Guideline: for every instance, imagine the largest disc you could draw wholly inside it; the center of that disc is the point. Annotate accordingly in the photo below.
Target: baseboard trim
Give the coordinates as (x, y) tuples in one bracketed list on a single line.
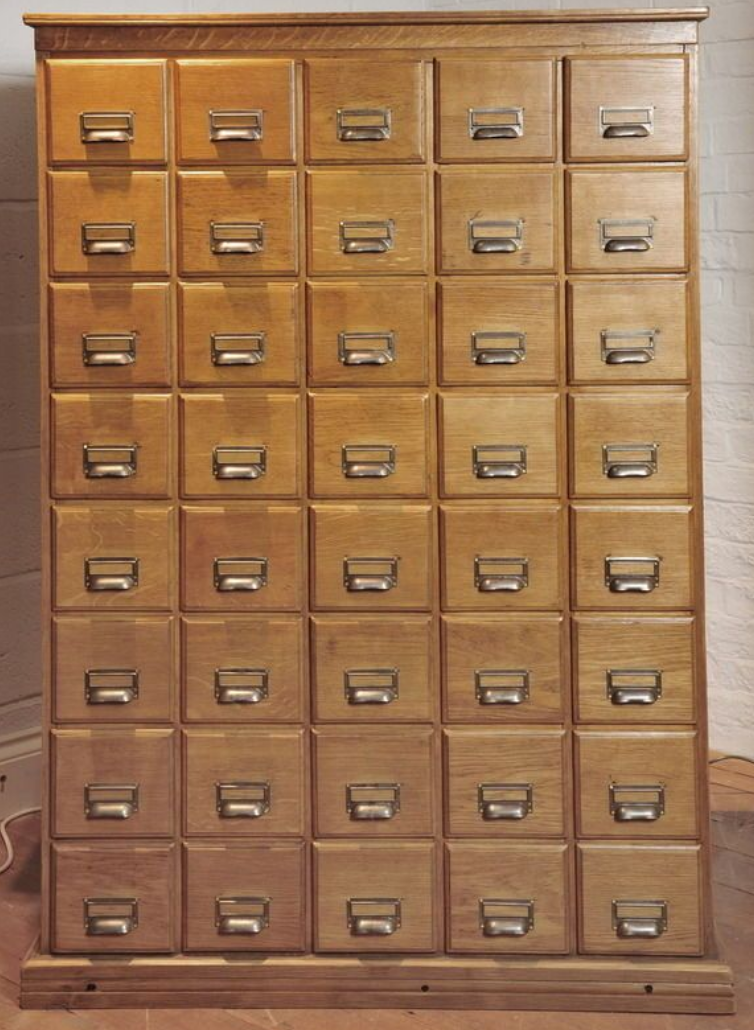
[(21, 771)]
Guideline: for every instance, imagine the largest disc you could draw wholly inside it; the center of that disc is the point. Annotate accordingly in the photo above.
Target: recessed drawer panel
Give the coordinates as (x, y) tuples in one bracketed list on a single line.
[(244, 782), (113, 783)]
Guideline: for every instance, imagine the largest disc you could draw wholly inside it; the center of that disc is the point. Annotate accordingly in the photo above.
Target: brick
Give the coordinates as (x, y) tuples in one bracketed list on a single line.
[(730, 522), (734, 211), (728, 403), (715, 442), (733, 135), (725, 483), (18, 264), (740, 172), (730, 365), (731, 59), (19, 389), (727, 250), (19, 541), (20, 643), (18, 165), (714, 174)]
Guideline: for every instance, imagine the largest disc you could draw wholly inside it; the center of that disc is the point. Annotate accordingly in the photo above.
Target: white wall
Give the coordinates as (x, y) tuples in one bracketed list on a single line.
[(728, 323)]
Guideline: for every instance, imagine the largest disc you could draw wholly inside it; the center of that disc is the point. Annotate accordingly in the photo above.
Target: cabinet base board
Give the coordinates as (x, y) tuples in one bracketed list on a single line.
[(242, 981)]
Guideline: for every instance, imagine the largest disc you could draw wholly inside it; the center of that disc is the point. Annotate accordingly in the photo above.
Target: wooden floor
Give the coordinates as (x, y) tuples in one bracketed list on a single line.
[(733, 833)]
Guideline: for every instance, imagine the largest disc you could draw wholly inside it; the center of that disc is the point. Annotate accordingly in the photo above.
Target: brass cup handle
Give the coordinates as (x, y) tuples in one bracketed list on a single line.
[(371, 695), (372, 811), (633, 686), (106, 126), (109, 926), (511, 810), (633, 244), (373, 917), (371, 686), (236, 126), (110, 810), (622, 236), (102, 575), (105, 350), (370, 575), (362, 583), (626, 122), (644, 928), (111, 800), (486, 123), (232, 575), (244, 925), (357, 349), (373, 802), (506, 926), (502, 686), (111, 686), (110, 917), (367, 237), (240, 809), (501, 584), (108, 238), (373, 926), (237, 348), (640, 919), (363, 124), (632, 580), (105, 461), (636, 812), (242, 916)]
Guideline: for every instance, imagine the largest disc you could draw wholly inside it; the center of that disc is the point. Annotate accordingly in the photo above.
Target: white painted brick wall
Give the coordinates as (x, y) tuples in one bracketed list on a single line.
[(728, 325)]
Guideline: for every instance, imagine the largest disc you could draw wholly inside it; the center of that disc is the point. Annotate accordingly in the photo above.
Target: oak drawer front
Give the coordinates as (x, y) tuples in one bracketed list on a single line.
[(237, 222), (108, 222), (111, 444), (113, 896), (113, 669), (368, 444), (245, 897), (372, 556), (502, 558), (500, 445), (376, 896), (627, 109), (362, 111), (505, 783), (244, 782), (108, 112), (110, 334), (373, 670), (637, 557), (496, 110), (499, 334), (242, 559), (366, 222), (508, 898), (634, 670), (630, 444), (115, 557), (374, 781), (504, 669), (234, 111), (631, 221), (113, 782), (628, 331), (640, 899), (242, 670), (239, 334), (367, 334), (501, 221), (637, 783), (240, 444)]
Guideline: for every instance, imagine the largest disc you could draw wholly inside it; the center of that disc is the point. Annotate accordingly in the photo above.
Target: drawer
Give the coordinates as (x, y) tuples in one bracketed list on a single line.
[(368, 222), (640, 899), (508, 898), (630, 444), (376, 896), (113, 669), (111, 444), (627, 221), (354, 342), (633, 556), (496, 110), (374, 781), (505, 783), (240, 444), (498, 334), (245, 897), (242, 559), (373, 670), (237, 222), (504, 669), (627, 108), (372, 556), (236, 334), (628, 332), (114, 557), (113, 896), (501, 221), (110, 334), (500, 445), (108, 222), (234, 111), (507, 557), (243, 669), (106, 112), (634, 670), (363, 111), (368, 444), (112, 782), (244, 782)]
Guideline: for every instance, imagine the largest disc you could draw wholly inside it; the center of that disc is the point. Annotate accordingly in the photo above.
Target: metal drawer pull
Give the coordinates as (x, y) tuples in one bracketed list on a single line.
[(501, 686), (485, 352), (111, 686), (622, 236), (243, 916), (242, 800), (630, 803), (630, 460), (619, 346), (102, 238), (353, 348), (501, 575), (236, 126), (104, 574), (232, 574), (367, 237), (626, 122), (633, 686), (108, 349), (496, 122), (110, 461), (111, 800), (236, 237), (364, 124), (498, 461), (368, 460), (107, 126), (503, 917), (239, 462), (238, 348), (373, 802), (505, 800), (371, 686), (632, 575), (373, 917), (643, 919), (503, 237), (110, 917), (242, 686), (364, 575)]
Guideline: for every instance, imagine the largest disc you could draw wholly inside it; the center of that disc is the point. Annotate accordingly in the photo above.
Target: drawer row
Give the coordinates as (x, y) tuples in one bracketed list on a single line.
[(374, 781)]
